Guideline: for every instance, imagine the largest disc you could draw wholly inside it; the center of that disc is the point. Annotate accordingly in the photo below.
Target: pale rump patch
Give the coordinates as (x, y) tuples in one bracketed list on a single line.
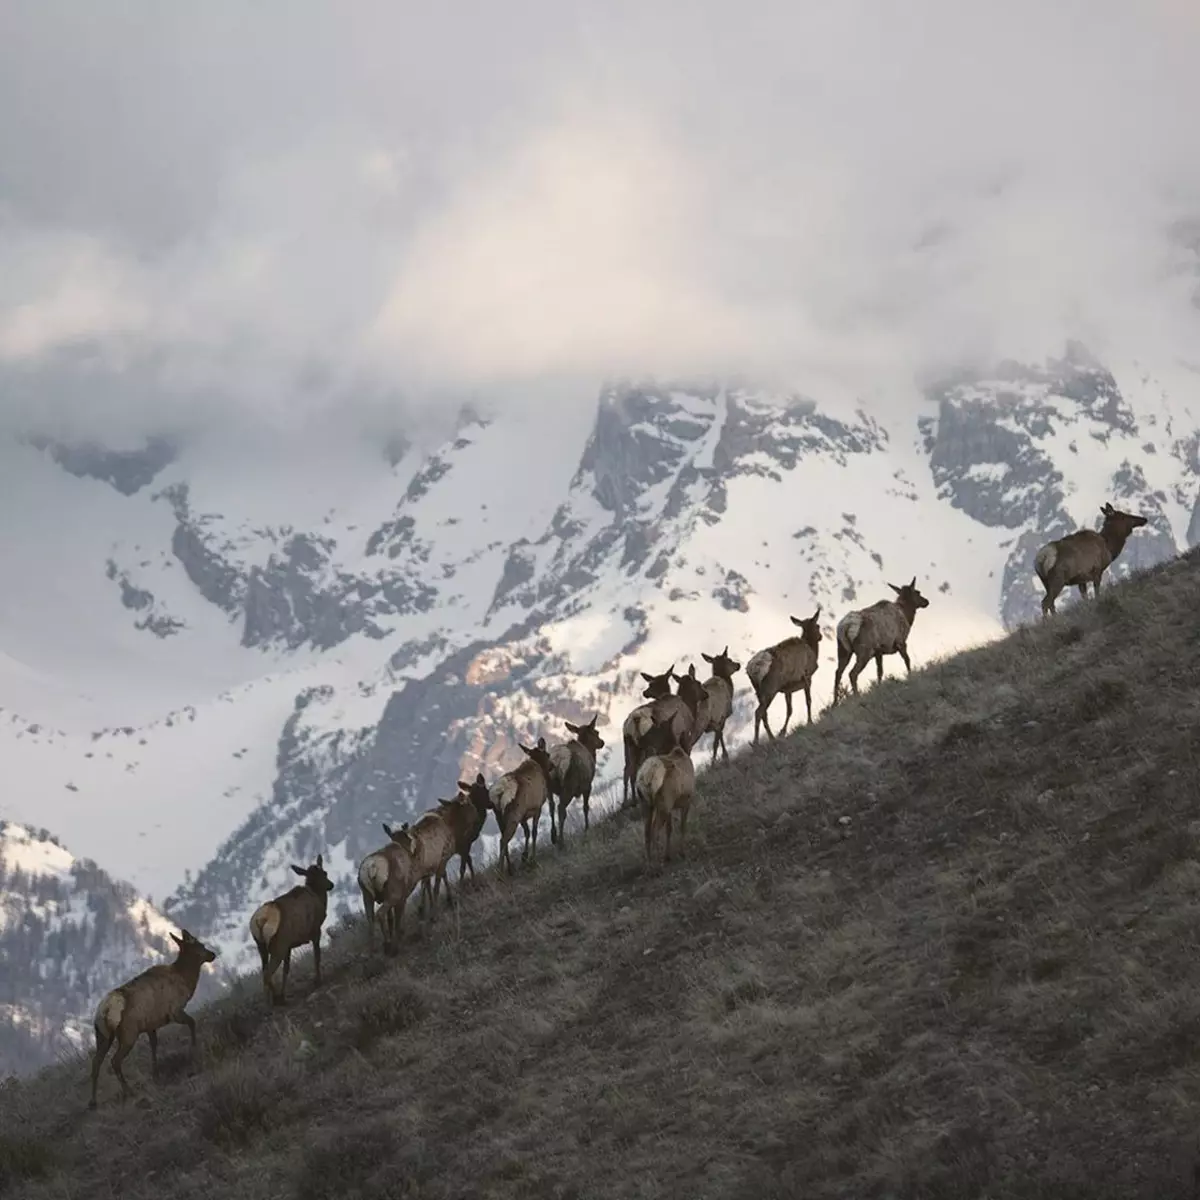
[(373, 874), (758, 666), (504, 791), (650, 777), (264, 925), (1047, 556), (110, 1012), (848, 630)]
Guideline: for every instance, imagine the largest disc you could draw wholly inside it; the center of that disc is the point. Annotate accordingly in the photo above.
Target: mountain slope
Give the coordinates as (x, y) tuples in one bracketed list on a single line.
[(939, 945), (261, 650), (68, 933)]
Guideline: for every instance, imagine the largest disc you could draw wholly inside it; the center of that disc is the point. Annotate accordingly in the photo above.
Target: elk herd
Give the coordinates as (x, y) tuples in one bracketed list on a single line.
[(659, 779)]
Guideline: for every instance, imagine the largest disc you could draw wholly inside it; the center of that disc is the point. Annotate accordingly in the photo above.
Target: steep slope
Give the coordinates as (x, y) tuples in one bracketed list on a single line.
[(939, 945), (68, 933), (261, 650)]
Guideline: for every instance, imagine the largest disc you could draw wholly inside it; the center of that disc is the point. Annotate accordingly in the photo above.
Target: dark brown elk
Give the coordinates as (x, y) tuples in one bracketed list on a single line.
[(717, 706), (395, 863), (573, 770), (155, 998), (786, 667), (658, 687), (870, 633), (291, 920), (468, 832), (517, 798), (1082, 557), (665, 784), (679, 713)]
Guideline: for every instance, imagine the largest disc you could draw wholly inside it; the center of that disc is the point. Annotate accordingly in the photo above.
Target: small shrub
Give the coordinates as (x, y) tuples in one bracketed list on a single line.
[(382, 1013), (236, 1105), (23, 1158)]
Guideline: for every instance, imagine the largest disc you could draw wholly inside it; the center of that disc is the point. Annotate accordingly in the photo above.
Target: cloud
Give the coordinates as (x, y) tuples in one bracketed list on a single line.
[(265, 211)]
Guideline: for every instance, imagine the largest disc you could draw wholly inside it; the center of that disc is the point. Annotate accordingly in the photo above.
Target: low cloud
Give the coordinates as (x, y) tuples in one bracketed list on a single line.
[(267, 214)]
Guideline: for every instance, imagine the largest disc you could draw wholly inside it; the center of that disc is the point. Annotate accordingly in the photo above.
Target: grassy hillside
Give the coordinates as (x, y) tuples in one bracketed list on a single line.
[(942, 945)]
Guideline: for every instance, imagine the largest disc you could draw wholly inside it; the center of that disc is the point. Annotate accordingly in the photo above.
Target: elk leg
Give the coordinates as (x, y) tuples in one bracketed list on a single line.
[(587, 799), (855, 672), (123, 1048), (316, 945), (369, 909), (287, 970), (808, 698), (787, 716), (184, 1018), (879, 667), (553, 828), (903, 652), (103, 1042), (152, 1038), (667, 854)]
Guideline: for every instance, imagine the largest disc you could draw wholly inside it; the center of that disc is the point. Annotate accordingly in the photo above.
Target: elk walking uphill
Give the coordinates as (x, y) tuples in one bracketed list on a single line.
[(573, 771), (870, 633), (422, 852), (393, 864), (517, 798), (717, 706), (1082, 557), (467, 832), (787, 667), (677, 714), (291, 920), (665, 784), (658, 688), (155, 998)]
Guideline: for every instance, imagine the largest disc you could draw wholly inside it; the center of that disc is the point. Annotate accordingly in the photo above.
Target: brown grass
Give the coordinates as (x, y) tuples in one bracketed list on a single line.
[(942, 945)]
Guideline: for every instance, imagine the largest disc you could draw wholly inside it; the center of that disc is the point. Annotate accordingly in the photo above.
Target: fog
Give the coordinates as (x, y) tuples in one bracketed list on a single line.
[(286, 211)]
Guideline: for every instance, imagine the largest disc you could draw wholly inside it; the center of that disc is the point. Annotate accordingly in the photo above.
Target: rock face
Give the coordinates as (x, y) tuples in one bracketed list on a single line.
[(468, 601), (126, 470)]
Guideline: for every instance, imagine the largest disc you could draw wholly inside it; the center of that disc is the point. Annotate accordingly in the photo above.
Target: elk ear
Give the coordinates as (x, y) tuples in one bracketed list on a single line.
[(480, 779), (299, 870), (817, 614), (894, 588), (320, 863), (571, 728), (177, 941), (463, 787), (648, 678), (914, 582), (692, 671), (523, 748), (595, 718), (707, 657), (795, 620), (541, 743)]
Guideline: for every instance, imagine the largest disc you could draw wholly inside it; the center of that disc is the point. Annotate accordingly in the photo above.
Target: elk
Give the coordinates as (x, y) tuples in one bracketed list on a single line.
[(288, 921), (786, 667), (666, 781), (468, 832), (872, 632), (678, 712), (156, 997), (430, 844), (1082, 557), (393, 862), (573, 769), (717, 706), (517, 796), (658, 687)]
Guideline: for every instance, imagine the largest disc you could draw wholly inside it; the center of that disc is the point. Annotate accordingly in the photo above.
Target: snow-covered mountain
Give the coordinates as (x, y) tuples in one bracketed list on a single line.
[(68, 933), (219, 657)]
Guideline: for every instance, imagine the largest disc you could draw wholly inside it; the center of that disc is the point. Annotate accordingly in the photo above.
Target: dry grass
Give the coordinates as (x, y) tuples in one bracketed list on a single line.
[(941, 945)]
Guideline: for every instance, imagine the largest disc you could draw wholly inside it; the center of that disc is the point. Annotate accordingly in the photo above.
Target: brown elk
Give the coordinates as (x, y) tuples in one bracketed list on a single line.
[(1082, 557), (872, 632), (787, 667), (658, 688), (156, 997), (288, 921), (717, 706), (467, 833), (665, 784), (517, 798), (679, 713), (391, 863), (573, 770)]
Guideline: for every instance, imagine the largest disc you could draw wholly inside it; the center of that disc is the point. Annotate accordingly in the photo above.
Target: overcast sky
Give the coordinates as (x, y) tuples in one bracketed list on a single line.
[(280, 206)]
